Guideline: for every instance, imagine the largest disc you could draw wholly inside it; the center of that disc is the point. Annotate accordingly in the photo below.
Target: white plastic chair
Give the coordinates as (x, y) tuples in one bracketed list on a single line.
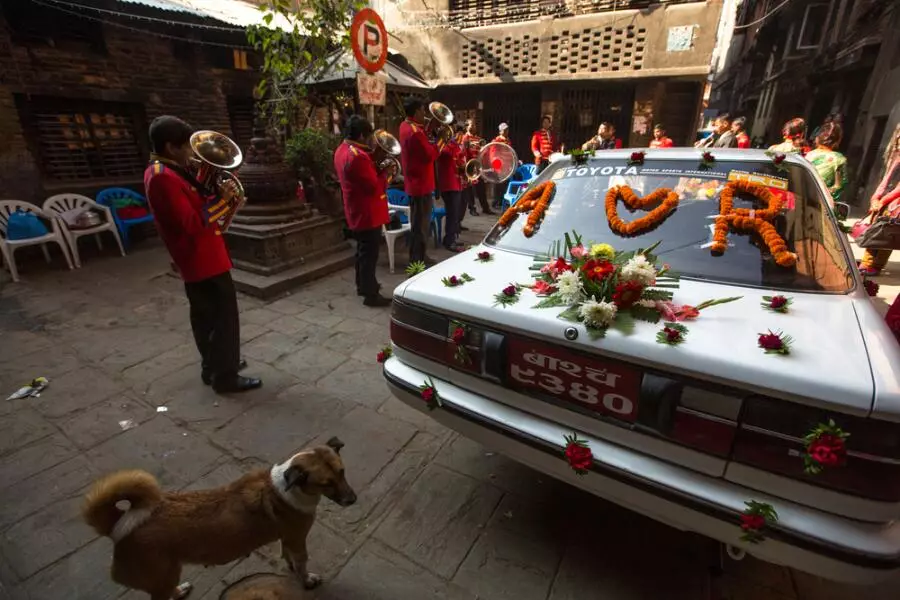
[(391, 235), (62, 203), (8, 247)]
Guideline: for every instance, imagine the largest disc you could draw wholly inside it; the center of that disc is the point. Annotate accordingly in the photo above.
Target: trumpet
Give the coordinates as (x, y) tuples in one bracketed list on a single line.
[(473, 170), (216, 155), (438, 124), (385, 153)]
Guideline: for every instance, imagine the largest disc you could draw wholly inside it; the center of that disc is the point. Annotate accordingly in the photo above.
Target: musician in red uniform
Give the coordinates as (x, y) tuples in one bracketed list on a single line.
[(187, 216), (500, 188), (450, 183), (472, 142), (418, 155), (543, 143), (365, 204)]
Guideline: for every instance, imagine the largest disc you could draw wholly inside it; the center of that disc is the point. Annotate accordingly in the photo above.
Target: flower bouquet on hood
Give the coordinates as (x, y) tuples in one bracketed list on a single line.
[(601, 287)]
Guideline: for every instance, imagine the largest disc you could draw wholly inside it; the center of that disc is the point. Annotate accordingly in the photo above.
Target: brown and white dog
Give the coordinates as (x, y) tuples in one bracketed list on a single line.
[(159, 531)]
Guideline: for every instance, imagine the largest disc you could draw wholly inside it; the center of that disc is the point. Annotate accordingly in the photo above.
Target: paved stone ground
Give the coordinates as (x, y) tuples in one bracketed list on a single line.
[(438, 516)]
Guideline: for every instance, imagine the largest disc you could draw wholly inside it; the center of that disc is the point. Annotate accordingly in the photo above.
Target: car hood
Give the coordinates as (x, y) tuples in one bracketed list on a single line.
[(828, 365)]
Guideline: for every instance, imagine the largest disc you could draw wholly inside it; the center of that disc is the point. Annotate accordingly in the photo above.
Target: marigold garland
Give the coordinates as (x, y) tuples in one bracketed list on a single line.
[(668, 198), (535, 201), (747, 219)]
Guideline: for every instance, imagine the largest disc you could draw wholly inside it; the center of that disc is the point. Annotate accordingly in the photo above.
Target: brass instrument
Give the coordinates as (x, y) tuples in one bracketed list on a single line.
[(496, 163), (438, 124), (387, 149), (216, 155)]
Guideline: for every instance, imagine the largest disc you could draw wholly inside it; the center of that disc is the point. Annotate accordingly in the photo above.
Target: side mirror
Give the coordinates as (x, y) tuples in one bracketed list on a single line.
[(841, 210)]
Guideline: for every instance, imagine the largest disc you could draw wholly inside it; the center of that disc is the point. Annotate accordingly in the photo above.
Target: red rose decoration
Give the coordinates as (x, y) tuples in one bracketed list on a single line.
[(871, 287), (578, 454), (829, 450), (752, 522), (380, 357), (779, 158), (385, 354), (777, 302), (626, 294), (708, 157), (672, 335), (597, 270), (770, 341), (459, 334), (542, 288), (637, 158), (454, 280), (509, 290)]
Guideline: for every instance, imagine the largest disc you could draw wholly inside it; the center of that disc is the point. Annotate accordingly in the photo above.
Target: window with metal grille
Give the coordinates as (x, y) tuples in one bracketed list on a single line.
[(78, 140)]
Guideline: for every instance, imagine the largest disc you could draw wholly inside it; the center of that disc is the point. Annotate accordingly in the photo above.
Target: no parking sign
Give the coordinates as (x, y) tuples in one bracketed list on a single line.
[(368, 38)]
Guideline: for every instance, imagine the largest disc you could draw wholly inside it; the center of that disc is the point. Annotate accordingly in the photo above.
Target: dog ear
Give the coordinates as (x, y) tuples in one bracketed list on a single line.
[(335, 444), (294, 475)]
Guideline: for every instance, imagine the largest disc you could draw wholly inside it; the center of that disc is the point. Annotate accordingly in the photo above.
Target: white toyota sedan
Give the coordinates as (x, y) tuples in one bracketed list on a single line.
[(683, 334)]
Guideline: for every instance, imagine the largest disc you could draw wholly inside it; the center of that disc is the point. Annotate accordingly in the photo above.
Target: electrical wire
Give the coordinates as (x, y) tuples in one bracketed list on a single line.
[(45, 4), (762, 18)]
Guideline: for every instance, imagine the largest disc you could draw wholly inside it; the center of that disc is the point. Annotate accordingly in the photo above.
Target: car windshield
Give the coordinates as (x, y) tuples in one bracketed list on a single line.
[(686, 234)]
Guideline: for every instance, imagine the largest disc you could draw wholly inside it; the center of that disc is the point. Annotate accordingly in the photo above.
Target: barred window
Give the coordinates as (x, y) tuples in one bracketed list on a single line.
[(77, 140)]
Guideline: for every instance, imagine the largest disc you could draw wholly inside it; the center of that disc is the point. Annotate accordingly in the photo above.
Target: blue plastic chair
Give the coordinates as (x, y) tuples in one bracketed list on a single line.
[(108, 197), (521, 178), (398, 198), (438, 214)]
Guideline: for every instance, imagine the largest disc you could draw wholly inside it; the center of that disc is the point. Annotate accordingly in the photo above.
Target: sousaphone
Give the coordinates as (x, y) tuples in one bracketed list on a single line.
[(496, 163)]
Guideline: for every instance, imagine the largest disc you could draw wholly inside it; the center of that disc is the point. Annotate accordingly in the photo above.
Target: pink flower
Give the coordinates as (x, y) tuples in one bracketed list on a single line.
[(578, 251), (542, 288), (670, 311), (667, 310)]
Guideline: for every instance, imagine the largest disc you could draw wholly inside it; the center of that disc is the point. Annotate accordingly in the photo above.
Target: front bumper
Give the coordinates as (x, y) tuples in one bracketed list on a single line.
[(820, 543)]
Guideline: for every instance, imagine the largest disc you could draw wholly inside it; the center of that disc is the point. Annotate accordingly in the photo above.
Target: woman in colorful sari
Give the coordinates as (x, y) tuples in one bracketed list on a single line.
[(830, 164), (885, 203)]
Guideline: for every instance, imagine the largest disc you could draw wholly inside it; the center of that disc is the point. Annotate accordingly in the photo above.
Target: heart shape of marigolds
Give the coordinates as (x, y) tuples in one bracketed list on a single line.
[(669, 202)]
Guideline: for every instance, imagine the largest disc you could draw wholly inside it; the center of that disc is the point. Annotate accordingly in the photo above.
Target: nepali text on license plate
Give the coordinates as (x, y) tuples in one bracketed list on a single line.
[(603, 386)]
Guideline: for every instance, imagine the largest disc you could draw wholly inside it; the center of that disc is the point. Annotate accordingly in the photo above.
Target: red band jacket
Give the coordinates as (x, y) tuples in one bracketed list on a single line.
[(543, 144), (418, 157), (187, 223), (363, 189), (450, 161)]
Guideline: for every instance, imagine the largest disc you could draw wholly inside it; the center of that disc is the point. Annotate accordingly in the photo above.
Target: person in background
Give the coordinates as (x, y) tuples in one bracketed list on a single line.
[(660, 139), (187, 216), (472, 144), (738, 128), (604, 140), (830, 164), (885, 202), (418, 155), (543, 143), (467, 192), (365, 204), (725, 138), (794, 134), (450, 186), (500, 188)]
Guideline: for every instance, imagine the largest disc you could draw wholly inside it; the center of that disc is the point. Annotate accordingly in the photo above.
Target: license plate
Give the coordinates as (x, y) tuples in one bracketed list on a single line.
[(595, 384)]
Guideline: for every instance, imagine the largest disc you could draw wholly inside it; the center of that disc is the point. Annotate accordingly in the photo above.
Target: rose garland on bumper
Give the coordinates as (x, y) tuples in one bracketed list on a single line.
[(430, 395), (535, 202), (755, 518), (826, 446), (578, 454)]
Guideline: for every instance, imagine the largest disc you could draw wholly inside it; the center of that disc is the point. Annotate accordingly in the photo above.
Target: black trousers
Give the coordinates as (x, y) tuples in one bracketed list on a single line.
[(419, 222), (481, 193), (498, 190), (468, 201), (453, 202), (215, 322), (368, 243)]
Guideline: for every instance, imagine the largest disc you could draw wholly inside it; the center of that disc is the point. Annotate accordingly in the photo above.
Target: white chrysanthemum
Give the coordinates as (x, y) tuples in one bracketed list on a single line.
[(638, 269), (597, 314), (569, 287)]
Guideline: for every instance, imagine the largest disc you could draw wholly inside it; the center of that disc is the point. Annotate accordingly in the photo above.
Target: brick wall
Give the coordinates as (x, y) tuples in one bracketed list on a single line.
[(136, 68)]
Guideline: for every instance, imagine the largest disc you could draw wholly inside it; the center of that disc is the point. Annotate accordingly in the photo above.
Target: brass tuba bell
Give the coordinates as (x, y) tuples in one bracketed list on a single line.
[(496, 163), (439, 122), (387, 149), (216, 155)]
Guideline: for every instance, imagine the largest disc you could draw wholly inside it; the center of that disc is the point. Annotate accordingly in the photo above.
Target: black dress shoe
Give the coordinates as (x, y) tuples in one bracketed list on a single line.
[(237, 383), (363, 293), (377, 301), (206, 374), (455, 248), (473, 212), (461, 228)]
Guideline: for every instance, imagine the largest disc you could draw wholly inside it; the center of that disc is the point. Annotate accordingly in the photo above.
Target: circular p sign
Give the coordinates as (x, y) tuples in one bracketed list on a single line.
[(368, 38)]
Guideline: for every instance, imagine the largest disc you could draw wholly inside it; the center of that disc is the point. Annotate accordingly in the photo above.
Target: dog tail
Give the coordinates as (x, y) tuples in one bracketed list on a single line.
[(139, 488)]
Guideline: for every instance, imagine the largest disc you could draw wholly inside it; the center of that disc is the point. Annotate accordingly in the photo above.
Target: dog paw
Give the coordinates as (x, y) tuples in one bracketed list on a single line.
[(311, 580)]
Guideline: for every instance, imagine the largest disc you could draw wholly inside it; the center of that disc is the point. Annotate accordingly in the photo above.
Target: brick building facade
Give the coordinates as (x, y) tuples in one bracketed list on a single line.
[(77, 93)]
